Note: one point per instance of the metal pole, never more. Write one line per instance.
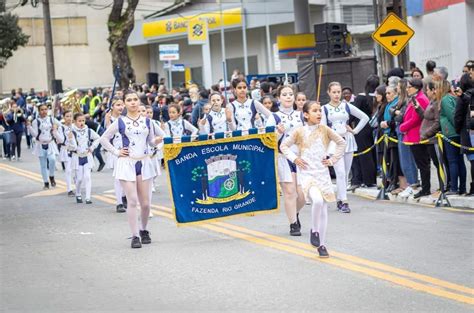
(244, 38)
(378, 53)
(48, 44)
(224, 62)
(170, 76)
(267, 35)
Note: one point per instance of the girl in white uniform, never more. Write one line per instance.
(45, 130)
(83, 143)
(336, 115)
(177, 126)
(156, 152)
(286, 120)
(111, 159)
(215, 120)
(312, 141)
(244, 113)
(64, 154)
(134, 167)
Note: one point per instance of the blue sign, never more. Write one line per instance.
(218, 178)
(177, 67)
(276, 78)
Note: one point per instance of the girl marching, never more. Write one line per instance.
(215, 120)
(64, 154)
(312, 160)
(83, 142)
(285, 120)
(336, 115)
(177, 126)
(45, 129)
(134, 167)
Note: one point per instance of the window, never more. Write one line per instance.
(358, 15)
(66, 31)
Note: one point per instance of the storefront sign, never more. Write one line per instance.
(197, 32)
(169, 52)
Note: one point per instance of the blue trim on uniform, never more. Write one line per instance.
(292, 166)
(138, 168)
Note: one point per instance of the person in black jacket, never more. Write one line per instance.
(16, 119)
(99, 130)
(464, 120)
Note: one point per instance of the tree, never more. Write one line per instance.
(120, 27)
(11, 35)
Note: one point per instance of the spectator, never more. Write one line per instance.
(440, 73)
(16, 119)
(417, 73)
(347, 95)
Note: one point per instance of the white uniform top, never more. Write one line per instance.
(111, 158)
(242, 116)
(43, 127)
(219, 123)
(82, 146)
(290, 119)
(64, 131)
(338, 118)
(177, 127)
(157, 152)
(137, 136)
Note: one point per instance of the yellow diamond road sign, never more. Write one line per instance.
(393, 34)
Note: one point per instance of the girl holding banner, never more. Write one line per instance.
(134, 168)
(312, 141)
(285, 120)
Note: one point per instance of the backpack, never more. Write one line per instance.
(326, 112)
(252, 108)
(121, 127)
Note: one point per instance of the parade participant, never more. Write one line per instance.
(336, 115)
(65, 155)
(134, 168)
(156, 152)
(16, 119)
(312, 160)
(177, 126)
(215, 121)
(111, 158)
(300, 101)
(83, 142)
(244, 113)
(286, 120)
(45, 130)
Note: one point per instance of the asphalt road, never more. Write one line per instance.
(59, 256)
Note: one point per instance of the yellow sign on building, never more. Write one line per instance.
(393, 34)
(179, 25)
(197, 31)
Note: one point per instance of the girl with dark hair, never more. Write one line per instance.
(364, 169)
(65, 155)
(410, 127)
(244, 113)
(134, 168)
(215, 120)
(177, 126)
(417, 73)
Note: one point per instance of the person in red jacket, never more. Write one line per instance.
(410, 127)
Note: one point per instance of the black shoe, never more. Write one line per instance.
(71, 194)
(421, 194)
(88, 201)
(295, 230)
(323, 252)
(78, 199)
(101, 167)
(314, 238)
(120, 209)
(339, 205)
(53, 182)
(136, 242)
(298, 220)
(124, 201)
(46, 186)
(145, 235)
(345, 208)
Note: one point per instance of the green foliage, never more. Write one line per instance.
(11, 37)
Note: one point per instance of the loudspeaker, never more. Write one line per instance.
(151, 78)
(330, 31)
(57, 86)
(332, 49)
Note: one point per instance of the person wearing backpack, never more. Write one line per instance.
(336, 115)
(83, 142)
(177, 126)
(45, 130)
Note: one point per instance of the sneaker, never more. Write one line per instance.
(339, 205)
(406, 193)
(13, 158)
(78, 199)
(345, 208)
(421, 194)
(53, 182)
(71, 194)
(323, 252)
(295, 230)
(46, 186)
(88, 201)
(314, 239)
(136, 242)
(124, 201)
(145, 236)
(298, 220)
(120, 209)
(101, 167)
(353, 187)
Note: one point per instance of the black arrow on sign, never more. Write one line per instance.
(394, 43)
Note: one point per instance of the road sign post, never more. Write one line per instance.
(168, 53)
(393, 34)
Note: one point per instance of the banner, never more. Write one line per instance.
(197, 32)
(218, 178)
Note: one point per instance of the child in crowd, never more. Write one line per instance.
(300, 101)
(177, 126)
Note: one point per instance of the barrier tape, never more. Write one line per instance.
(379, 140)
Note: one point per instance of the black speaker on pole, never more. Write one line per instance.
(332, 40)
(328, 31)
(151, 78)
(57, 86)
